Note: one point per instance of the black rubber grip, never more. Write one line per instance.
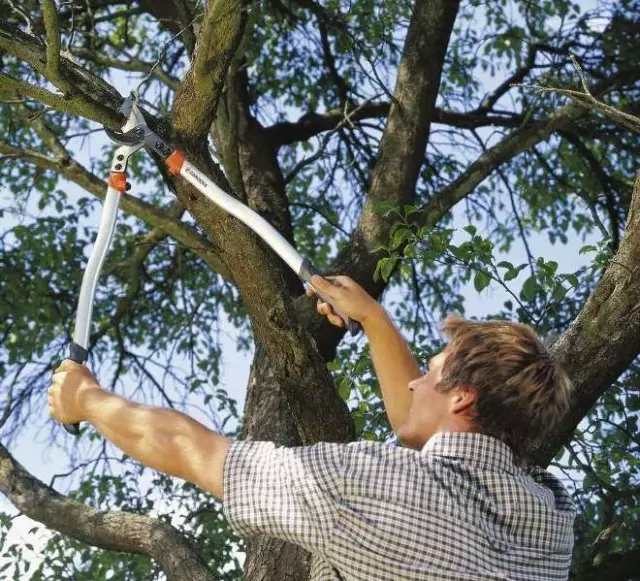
(77, 354)
(306, 272)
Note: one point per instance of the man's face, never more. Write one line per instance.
(430, 408)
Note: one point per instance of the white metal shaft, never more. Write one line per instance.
(94, 267)
(252, 219)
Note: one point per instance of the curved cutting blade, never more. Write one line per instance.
(131, 137)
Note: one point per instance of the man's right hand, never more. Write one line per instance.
(347, 295)
(392, 359)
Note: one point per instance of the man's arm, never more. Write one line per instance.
(163, 439)
(393, 361)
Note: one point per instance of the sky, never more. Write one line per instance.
(33, 449)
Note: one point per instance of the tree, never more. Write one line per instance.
(358, 130)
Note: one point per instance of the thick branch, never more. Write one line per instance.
(342, 89)
(262, 184)
(604, 338)
(115, 531)
(400, 156)
(50, 17)
(312, 124)
(199, 94)
(404, 140)
(76, 105)
(91, 97)
(515, 143)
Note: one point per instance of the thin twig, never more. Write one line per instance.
(588, 100)
(30, 26)
(346, 120)
(163, 50)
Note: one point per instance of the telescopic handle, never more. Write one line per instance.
(306, 272)
(77, 354)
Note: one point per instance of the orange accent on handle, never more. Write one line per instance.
(174, 162)
(118, 181)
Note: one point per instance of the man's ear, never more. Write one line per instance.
(462, 399)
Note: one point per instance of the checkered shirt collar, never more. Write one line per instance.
(473, 447)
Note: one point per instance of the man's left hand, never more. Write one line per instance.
(71, 383)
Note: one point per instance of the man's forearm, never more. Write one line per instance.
(163, 439)
(394, 363)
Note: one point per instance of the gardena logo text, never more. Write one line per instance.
(197, 177)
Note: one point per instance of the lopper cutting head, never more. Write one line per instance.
(134, 129)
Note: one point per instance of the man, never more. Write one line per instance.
(459, 503)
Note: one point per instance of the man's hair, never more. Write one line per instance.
(521, 392)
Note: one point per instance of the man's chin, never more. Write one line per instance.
(409, 439)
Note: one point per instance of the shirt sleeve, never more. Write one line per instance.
(287, 493)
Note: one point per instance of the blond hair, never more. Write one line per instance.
(521, 392)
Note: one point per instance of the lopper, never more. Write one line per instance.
(134, 136)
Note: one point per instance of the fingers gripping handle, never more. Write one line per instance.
(77, 354)
(306, 272)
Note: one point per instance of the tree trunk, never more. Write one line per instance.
(267, 417)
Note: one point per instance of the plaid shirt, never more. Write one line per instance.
(458, 510)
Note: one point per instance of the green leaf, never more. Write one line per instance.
(559, 292)
(481, 280)
(471, 229)
(510, 275)
(344, 388)
(386, 266)
(505, 264)
(587, 248)
(385, 208)
(529, 288)
(400, 235)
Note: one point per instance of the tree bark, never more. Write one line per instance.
(394, 179)
(403, 144)
(267, 417)
(604, 338)
(110, 530)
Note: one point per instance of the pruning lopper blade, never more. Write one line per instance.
(133, 131)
